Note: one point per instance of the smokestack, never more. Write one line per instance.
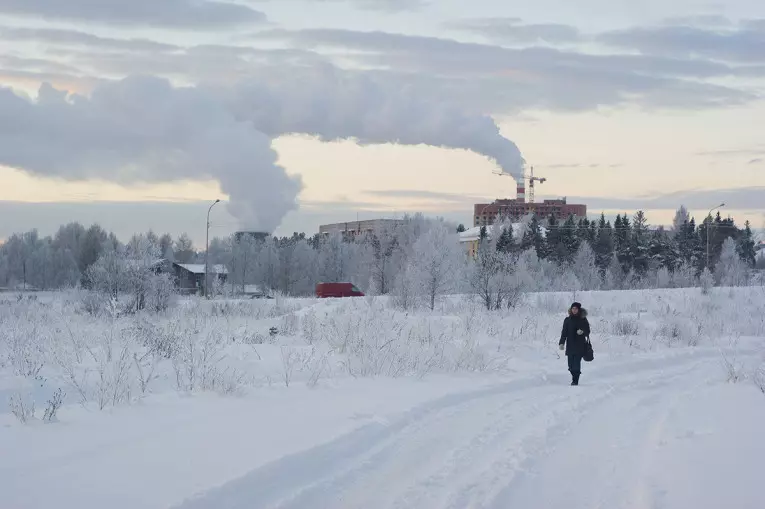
(521, 189)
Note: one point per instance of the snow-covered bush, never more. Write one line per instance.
(23, 407)
(625, 326)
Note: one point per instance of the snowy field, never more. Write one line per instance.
(293, 403)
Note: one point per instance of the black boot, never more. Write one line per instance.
(575, 378)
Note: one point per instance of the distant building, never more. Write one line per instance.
(190, 277)
(484, 214)
(356, 228)
(261, 236)
(471, 238)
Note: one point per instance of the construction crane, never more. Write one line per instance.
(521, 182)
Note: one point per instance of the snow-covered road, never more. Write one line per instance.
(651, 433)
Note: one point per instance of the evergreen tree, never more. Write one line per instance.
(745, 246)
(570, 240)
(556, 241)
(506, 242)
(639, 241)
(461, 228)
(533, 239)
(622, 233)
(604, 244)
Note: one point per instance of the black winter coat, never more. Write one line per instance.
(575, 343)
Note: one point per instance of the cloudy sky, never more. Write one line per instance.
(134, 113)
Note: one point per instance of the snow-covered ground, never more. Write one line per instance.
(353, 404)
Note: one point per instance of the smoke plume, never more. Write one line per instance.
(142, 129)
(332, 104)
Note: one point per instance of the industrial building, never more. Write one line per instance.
(356, 228)
(484, 214)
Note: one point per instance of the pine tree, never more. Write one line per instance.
(533, 238)
(506, 242)
(745, 246)
(556, 240)
(604, 243)
(639, 244)
(622, 235)
(461, 228)
(570, 237)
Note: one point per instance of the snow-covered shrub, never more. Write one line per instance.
(625, 326)
(734, 368)
(23, 407)
(195, 362)
(707, 281)
(54, 404)
(759, 377)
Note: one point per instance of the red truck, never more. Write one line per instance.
(328, 290)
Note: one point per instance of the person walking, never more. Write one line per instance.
(573, 337)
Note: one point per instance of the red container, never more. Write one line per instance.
(329, 290)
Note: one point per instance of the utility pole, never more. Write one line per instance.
(207, 249)
(709, 229)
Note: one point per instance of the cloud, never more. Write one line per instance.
(701, 20)
(418, 194)
(749, 198)
(384, 5)
(504, 80)
(163, 13)
(743, 44)
(81, 39)
(755, 150)
(143, 130)
(513, 30)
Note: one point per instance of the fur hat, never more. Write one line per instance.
(576, 305)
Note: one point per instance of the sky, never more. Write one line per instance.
(138, 114)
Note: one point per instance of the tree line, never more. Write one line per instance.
(418, 259)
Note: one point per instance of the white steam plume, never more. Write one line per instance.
(143, 130)
(333, 104)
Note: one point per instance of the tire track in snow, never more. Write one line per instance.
(290, 481)
(591, 465)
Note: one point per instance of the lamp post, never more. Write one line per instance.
(207, 248)
(709, 229)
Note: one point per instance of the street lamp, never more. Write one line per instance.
(709, 226)
(207, 247)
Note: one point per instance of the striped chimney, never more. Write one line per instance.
(521, 188)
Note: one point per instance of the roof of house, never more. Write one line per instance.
(199, 268)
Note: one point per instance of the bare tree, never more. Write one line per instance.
(385, 244)
(435, 259)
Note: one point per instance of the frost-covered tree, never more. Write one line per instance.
(615, 277)
(297, 268)
(585, 268)
(384, 244)
(681, 218)
(684, 276)
(184, 249)
(435, 260)
(268, 265)
(335, 261)
(731, 269)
